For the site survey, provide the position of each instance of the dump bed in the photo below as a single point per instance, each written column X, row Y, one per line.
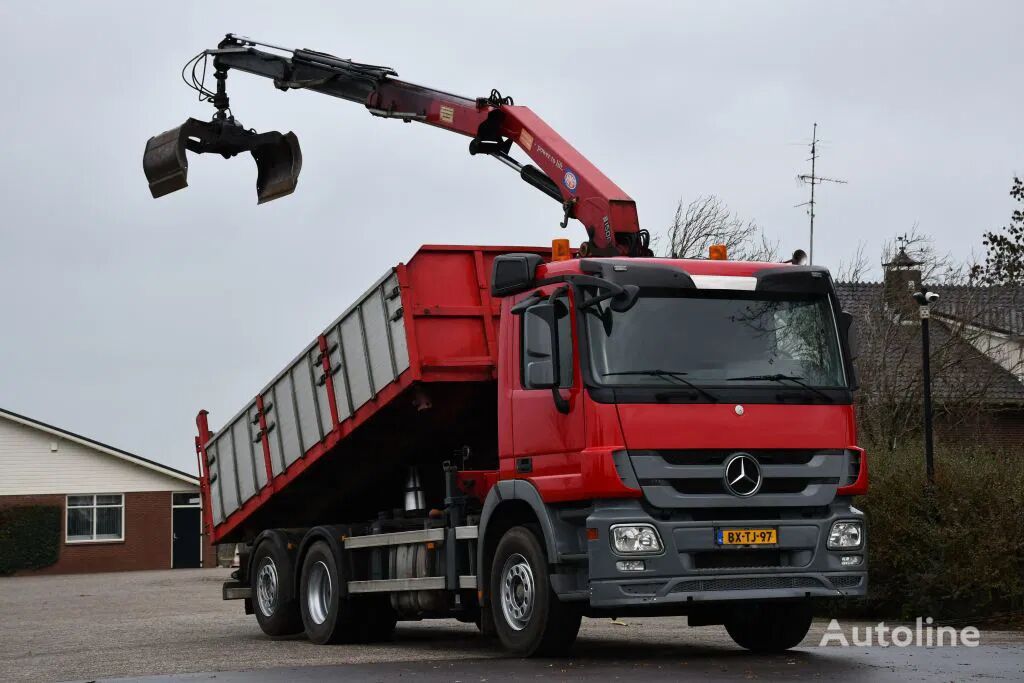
column 429, row 321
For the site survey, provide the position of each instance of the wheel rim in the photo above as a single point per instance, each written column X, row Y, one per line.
column 266, row 587
column 517, row 592
column 318, row 592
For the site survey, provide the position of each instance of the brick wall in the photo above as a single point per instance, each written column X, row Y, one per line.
column 1000, row 430
column 146, row 544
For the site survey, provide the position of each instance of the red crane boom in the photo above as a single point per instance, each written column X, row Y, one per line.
column 493, row 124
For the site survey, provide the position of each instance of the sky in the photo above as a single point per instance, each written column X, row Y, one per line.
column 121, row 316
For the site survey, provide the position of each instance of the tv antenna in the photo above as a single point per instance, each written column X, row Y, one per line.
column 812, row 180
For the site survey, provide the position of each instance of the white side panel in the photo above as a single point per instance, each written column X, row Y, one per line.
column 747, row 284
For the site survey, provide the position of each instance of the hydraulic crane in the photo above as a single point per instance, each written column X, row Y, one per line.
column 493, row 124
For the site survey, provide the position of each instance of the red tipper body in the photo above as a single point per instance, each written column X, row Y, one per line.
column 431, row 321
column 417, row 366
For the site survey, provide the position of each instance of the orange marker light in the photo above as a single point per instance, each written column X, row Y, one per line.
column 716, row 252
column 591, row 534
column 560, row 250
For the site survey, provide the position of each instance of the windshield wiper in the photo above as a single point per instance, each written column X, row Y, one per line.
column 671, row 374
column 799, row 381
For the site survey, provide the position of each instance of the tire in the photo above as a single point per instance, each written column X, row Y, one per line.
column 528, row 617
column 272, row 574
column 326, row 617
column 770, row 628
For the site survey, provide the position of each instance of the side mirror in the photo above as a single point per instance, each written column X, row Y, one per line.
column 849, row 332
column 513, row 273
column 540, row 337
column 539, row 332
column 541, row 374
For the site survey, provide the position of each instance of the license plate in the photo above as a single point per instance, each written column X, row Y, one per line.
column 747, row 537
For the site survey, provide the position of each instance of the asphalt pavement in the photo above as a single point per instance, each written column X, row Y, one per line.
column 173, row 626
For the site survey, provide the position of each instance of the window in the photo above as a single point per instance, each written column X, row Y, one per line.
column 536, row 343
column 185, row 500
column 95, row 518
column 716, row 339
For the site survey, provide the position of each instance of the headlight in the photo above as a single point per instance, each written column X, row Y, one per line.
column 845, row 535
column 635, row 538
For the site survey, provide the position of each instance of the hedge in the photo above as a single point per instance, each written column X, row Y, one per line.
column 953, row 551
column 29, row 537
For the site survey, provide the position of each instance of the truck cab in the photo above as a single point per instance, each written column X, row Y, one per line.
column 684, row 432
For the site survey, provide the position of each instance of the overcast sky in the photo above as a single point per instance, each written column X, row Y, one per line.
column 122, row 316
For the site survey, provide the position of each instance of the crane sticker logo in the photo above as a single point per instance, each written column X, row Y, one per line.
column 525, row 139
column 447, row 114
column 569, row 180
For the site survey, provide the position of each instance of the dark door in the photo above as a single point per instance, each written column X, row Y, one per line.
column 185, row 547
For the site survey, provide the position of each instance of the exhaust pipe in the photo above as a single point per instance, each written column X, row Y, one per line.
column 277, row 155
column 415, row 501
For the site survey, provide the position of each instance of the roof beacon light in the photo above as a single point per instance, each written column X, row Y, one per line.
column 717, row 252
column 560, row 250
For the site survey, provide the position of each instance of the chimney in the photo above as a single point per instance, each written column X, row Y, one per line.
column 902, row 278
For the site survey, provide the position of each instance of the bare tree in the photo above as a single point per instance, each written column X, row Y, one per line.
column 857, row 268
column 706, row 221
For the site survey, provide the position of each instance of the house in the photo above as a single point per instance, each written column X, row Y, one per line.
column 117, row 511
column 977, row 354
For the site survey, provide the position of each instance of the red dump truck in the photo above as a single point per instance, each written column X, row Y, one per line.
column 521, row 437
column 489, row 436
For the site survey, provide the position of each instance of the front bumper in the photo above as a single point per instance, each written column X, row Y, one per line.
column 693, row 568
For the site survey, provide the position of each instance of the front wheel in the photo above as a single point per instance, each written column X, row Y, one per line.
column 769, row 628
column 528, row 617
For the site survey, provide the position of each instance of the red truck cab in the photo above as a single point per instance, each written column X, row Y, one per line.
column 702, row 418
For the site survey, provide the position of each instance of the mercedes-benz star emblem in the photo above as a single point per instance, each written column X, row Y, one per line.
column 742, row 475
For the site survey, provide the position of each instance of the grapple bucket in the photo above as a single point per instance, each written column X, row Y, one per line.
column 278, row 164
column 277, row 155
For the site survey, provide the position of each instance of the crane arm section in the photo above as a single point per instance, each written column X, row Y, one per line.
column 494, row 124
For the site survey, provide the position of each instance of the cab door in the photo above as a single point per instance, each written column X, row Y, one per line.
column 546, row 442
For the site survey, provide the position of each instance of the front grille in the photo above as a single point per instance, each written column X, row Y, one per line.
column 853, row 468
column 739, row 559
column 719, row 456
column 696, row 478
column 794, row 484
column 746, row 584
column 845, row 581
column 709, row 486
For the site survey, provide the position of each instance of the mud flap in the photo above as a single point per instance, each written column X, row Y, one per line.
column 278, row 156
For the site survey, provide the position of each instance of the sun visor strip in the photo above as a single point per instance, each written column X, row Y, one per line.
column 629, row 272
column 794, row 279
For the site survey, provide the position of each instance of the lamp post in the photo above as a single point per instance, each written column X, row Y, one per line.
column 925, row 299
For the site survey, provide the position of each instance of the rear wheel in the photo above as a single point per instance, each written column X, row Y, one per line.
column 271, row 575
column 770, row 627
column 326, row 617
column 528, row 617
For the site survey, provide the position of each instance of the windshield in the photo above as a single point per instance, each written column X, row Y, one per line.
column 716, row 337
